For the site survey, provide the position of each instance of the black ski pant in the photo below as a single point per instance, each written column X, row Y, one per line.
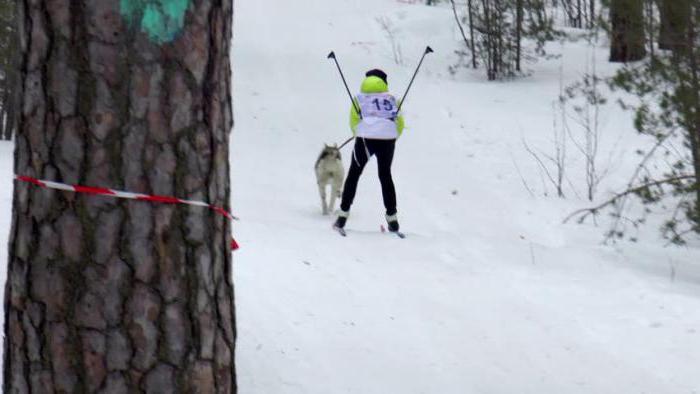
column 364, row 149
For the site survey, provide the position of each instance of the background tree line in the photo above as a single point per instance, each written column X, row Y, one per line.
column 657, row 41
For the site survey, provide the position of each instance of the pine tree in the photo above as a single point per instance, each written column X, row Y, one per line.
column 668, row 86
column 107, row 295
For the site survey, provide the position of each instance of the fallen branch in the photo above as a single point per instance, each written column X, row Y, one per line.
column 586, row 212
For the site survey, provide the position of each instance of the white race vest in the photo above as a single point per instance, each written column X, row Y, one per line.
column 379, row 111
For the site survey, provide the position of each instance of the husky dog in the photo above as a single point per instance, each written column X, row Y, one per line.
column 329, row 171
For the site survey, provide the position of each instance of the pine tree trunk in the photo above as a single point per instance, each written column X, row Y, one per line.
column 3, row 110
column 518, row 32
column 107, row 295
column 470, row 7
column 489, row 28
column 579, row 14
column 691, row 53
column 10, row 107
column 627, row 35
column 664, row 23
column 674, row 18
column 10, row 117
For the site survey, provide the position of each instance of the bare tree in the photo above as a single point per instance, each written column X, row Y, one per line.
column 391, row 33
column 468, row 41
column 497, row 29
column 585, row 99
column 115, row 296
column 579, row 13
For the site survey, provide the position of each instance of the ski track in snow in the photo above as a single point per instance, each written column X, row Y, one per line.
column 489, row 292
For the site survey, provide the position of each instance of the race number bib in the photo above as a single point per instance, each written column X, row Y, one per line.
column 377, row 106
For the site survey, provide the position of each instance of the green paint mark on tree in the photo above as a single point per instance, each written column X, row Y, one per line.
column 160, row 19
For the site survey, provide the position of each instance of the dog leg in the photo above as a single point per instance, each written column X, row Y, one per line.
column 322, row 193
column 335, row 191
column 334, row 195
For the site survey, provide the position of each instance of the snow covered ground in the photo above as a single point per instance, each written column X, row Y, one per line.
column 490, row 292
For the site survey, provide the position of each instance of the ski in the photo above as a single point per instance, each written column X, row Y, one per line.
column 398, row 233
column 340, row 231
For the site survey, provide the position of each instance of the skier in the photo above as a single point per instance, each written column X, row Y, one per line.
column 376, row 128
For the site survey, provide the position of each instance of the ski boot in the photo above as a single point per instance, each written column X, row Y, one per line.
column 392, row 222
column 340, row 222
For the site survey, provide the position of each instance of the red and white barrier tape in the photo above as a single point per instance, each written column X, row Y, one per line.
column 127, row 195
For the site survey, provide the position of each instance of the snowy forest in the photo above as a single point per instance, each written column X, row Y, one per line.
column 350, row 196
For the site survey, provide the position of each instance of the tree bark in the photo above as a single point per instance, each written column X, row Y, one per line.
column 3, row 111
column 9, row 109
column 664, row 24
column 690, row 51
column 518, row 32
column 107, row 295
column 10, row 115
column 470, row 8
column 627, row 35
column 579, row 14
column 674, row 18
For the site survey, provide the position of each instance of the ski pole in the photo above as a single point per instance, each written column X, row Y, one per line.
column 427, row 51
column 332, row 56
